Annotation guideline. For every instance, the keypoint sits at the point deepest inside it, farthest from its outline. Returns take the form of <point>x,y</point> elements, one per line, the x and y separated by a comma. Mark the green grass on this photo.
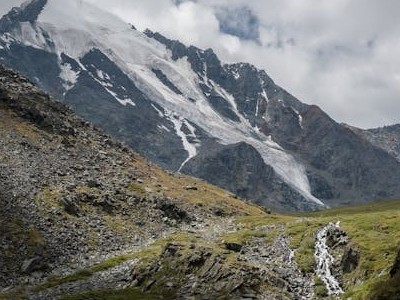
<point>243,235</point>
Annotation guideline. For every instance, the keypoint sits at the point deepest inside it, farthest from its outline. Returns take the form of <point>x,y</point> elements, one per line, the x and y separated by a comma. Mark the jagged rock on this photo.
<point>336,237</point>
<point>350,260</point>
<point>31,265</point>
<point>70,207</point>
<point>191,188</point>
<point>395,270</point>
<point>92,183</point>
<point>172,211</point>
<point>233,247</point>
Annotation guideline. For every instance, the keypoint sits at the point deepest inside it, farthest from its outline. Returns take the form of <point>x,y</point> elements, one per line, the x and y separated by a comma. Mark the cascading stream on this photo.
<point>324,261</point>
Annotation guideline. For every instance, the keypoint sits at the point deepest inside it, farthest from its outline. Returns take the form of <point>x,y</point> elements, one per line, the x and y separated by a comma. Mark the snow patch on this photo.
<point>299,117</point>
<point>163,128</point>
<point>264,94</point>
<point>68,76</point>
<point>160,113</point>
<point>106,85</point>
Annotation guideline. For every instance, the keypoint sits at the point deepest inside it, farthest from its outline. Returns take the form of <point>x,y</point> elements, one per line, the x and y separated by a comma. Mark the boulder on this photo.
<point>350,260</point>
<point>31,265</point>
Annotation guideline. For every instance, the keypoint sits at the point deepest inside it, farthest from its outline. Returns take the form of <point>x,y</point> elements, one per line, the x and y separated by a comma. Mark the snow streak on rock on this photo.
<point>324,261</point>
<point>189,141</point>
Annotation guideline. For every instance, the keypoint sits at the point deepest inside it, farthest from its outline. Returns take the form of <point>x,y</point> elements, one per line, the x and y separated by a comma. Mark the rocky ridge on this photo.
<point>386,138</point>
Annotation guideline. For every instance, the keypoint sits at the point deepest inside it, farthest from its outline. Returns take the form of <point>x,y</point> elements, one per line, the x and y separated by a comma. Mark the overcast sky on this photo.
<point>343,55</point>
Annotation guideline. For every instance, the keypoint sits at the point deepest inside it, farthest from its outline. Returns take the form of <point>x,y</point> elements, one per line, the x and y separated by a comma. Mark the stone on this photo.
<point>350,260</point>
<point>190,188</point>
<point>233,247</point>
<point>31,265</point>
<point>92,183</point>
<point>70,207</point>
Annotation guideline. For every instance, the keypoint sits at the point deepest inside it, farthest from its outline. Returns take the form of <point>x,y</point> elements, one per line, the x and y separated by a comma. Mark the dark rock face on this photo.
<point>395,271</point>
<point>240,169</point>
<point>29,14</point>
<point>350,260</point>
<point>386,138</point>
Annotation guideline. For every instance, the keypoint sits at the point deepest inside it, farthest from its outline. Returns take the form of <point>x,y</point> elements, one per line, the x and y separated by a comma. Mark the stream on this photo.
<point>324,261</point>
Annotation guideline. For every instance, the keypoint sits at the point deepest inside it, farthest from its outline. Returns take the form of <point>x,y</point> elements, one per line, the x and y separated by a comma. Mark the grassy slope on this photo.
<point>373,229</point>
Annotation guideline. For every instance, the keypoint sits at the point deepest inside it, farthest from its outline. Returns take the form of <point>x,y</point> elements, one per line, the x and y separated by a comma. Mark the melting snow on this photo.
<point>160,113</point>
<point>179,122</point>
<point>164,128</point>
<point>264,94</point>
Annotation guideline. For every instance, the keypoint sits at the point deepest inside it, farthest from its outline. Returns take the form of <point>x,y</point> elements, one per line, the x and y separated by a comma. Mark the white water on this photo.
<point>325,261</point>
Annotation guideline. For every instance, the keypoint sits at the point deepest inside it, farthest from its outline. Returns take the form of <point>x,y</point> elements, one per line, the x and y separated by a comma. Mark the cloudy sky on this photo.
<point>343,55</point>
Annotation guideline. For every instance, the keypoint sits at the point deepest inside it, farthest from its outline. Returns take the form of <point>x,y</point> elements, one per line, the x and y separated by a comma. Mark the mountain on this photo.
<point>386,138</point>
<point>183,109</point>
<point>85,217</point>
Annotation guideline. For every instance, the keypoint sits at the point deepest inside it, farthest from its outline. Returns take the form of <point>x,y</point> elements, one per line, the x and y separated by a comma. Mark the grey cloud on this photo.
<point>238,21</point>
<point>6,5</point>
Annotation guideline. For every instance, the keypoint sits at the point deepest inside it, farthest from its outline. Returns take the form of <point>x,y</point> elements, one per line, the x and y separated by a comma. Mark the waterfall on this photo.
<point>325,261</point>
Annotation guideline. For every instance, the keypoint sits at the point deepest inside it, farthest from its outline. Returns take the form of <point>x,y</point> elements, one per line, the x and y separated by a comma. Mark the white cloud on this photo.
<point>341,55</point>
<point>6,5</point>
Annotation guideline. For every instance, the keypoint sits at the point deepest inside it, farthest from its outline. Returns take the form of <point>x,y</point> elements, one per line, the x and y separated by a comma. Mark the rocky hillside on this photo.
<point>84,217</point>
<point>182,108</point>
<point>386,138</point>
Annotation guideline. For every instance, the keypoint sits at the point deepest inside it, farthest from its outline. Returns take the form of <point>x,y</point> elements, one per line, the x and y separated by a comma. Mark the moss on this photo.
<point>385,289</point>
<point>137,188</point>
<point>49,197</point>
<point>12,297</point>
<point>35,238</point>
<point>243,235</point>
<point>320,288</point>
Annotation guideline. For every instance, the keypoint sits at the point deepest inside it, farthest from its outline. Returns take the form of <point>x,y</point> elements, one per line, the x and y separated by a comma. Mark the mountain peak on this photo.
<point>27,12</point>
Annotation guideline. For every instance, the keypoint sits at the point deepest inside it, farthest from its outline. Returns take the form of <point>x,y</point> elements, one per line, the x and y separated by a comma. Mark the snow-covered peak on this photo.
<point>80,15</point>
